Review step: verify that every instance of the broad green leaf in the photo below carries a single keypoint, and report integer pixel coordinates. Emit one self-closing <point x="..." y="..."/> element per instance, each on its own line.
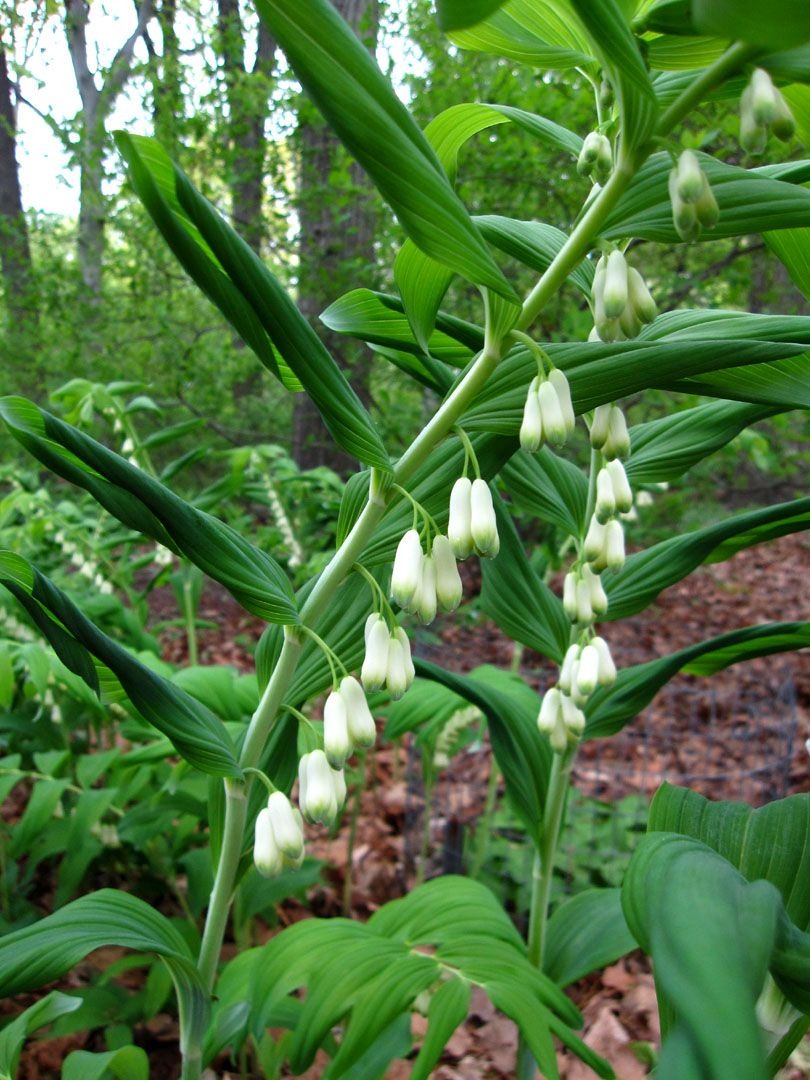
<point x="534" y="32"/>
<point x="675" y="53"/>
<point x="617" y="49"/>
<point x="647" y="573"/>
<point x="125" y="1063"/>
<point x="777" y="25"/>
<point x="160" y="183"/>
<point x="792" y="248"/>
<point x="36" y="1016"/>
<point x="141" y="503"/>
<point x="669" y="17"/>
<point x="666" y="448"/>
<point x="585" y="933"/>
<point x="195" y="732"/>
<point x="510" y="707"/>
<point x="448" y="1008"/>
<point x="45" y="951"/>
<point x="609" y="710"/>
<point x="532" y="243"/>
<point x="516" y="598"/>
<point x="348" y="88"/>
<point x="550" y="487"/>
<point x="711" y="935"/>
<point x="749" y="200"/>
<point x="458" y="14"/>
<point x="422" y="283"/>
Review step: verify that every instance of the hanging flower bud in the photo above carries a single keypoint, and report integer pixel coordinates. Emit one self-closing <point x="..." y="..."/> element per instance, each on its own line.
<point x="339" y="784"/>
<point x="336" y="743"/>
<point x="753" y="136"/>
<point x="617" y="444"/>
<point x="370" y="621"/>
<point x="607" y="669"/>
<point x="598" y="291"/>
<point x="559" y="381"/>
<point x="266" y="854"/>
<point x="763" y="97"/>
<point x="558" y="738"/>
<point x="425" y="596"/>
<point x="410" y="671"/>
<point x="449" y="589"/>
<point x="459" y="524"/>
<point x="690" y="177"/>
<point x="615" y="291"/>
<point x="550" y="711"/>
<point x="316" y="788"/>
<point x="288" y="828"/>
<point x="573" y="718"/>
<point x="706" y="207"/>
<point x="605" y="499"/>
<point x="361" y="727"/>
<point x="588" y="670"/>
<point x="783" y="124"/>
<point x="484" y="527"/>
<point x="375" y="663"/>
<point x="599" y="600"/>
<point x="684" y="214"/>
<point x="407" y="567"/>
<point x="604" y="159"/>
<point x="531" y="428"/>
<point x="640" y="297"/>
<point x="570" y="595"/>
<point x="396" y="681"/>
<point x="594" y="543"/>
<point x="584" y="609"/>
<point x="622" y="493"/>
<point x="589" y="154"/>
<point x="554" y="426"/>
<point x="630" y="325"/>
<point x="614" y="545"/>
<point x="599" y="426"/>
<point x="567" y="668"/>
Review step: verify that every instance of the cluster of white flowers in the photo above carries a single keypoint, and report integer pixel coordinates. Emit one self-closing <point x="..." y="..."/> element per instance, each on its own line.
<point x="13" y="628"/>
<point x="347" y="722"/>
<point x="548" y="415"/>
<point x="694" y="206"/>
<point x="388" y="658"/>
<point x="279" y="837"/>
<point x="471" y="526"/>
<point x="620" y="299"/>
<point x="85" y="565"/>
<point x="596" y="157"/>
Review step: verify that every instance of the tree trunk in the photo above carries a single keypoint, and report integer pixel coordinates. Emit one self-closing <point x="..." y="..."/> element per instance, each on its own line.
<point x="167" y="71"/>
<point x="336" y="247"/>
<point x="15" y="251"/>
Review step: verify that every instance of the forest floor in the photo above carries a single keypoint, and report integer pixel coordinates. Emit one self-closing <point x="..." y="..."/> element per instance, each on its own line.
<point x="741" y="734"/>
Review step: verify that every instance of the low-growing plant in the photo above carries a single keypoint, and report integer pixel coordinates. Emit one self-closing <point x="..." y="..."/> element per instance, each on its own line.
<point x="716" y="893"/>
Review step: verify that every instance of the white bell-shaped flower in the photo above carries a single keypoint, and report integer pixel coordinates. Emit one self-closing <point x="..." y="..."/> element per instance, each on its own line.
<point x="614" y="545"/>
<point x="448" y="580"/>
<point x="599" y="599"/>
<point x="375" y="662"/>
<point x="570" y="595"/>
<point x="316" y="788"/>
<point x="607" y="668"/>
<point x="424" y="601"/>
<point x="599" y="426"/>
<point x="336" y="742"/>
<point x="267" y="856"/>
<point x="559" y="381"/>
<point x="617" y="444"/>
<point x="588" y="670"/>
<point x="288" y="828"/>
<point x="484" y="526"/>
<point x="573" y="717"/>
<point x="531" y="428"/>
<point x="622" y="492"/>
<point x="567" y="668"/>
<point x="410" y="671"/>
<point x="407" y="568"/>
<point x="594" y="544"/>
<point x="459" y="522"/>
<point x="605" y="506"/>
<point x="397" y="678"/>
<point x="584" y="608"/>
<point x="555" y="429"/>
<point x="550" y="711"/>
<point x="362" y="729"/>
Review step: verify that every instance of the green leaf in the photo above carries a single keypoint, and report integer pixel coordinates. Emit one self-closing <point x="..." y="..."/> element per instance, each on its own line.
<point x="792" y="248"/>
<point x="422" y="283"/>
<point x="159" y="183"/>
<point x="750" y="200"/>
<point x="781" y="24"/>
<point x="141" y="503"/>
<point x="609" y="710"/>
<point x="550" y="487"/>
<point x="458" y="14"/>
<point x="585" y="933"/>
<point x="126" y="1063"/>
<point x="534" y="244"/>
<point x="36" y="1016"/>
<point x="195" y="733"/>
<point x="534" y="32"/>
<point x="517" y="599"/>
<point x="45" y="951"/>
<point x="448" y="1008"/>
<point x="347" y="87"/>
<point x="647" y="573"/>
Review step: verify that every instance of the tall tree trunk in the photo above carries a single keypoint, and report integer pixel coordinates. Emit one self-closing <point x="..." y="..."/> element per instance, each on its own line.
<point x="168" y="105"/>
<point x="336" y="246"/>
<point x="15" y="250"/>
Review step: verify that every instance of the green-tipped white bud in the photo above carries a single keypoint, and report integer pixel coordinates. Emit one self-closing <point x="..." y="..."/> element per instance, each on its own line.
<point x="336" y="742"/>
<point x="531" y="428"/>
<point x="604" y="158"/>
<point x="570" y="595"/>
<point x="629" y="323"/>
<point x="598" y="291"/>
<point x="459" y="524"/>
<point x="554" y="426"/>
<point x="599" y="600"/>
<point x="605" y="499"/>
<point x="362" y="729"/>
<point x="615" y="291"/>
<point x="690" y="177"/>
<point x="599" y="426"/>
<point x="550" y="711"/>
<point x="617" y="444"/>
<point x="753" y="136"/>
<point x="559" y="381"/>
<point x="573" y="718"/>
<point x="584" y="609"/>
<point x="589" y="154"/>
<point x="588" y="670"/>
<point x="288" y="828"/>
<point x="558" y="738"/>
<point x="375" y="662"/>
<point x="594" y="543"/>
<point x="316" y="788"/>
<point x="484" y="527"/>
<point x="763" y="97"/>
<point x="783" y="124"/>
<point x="410" y="671"/>
<point x="397" y="679"/>
<point x="610" y="330"/>
<point x="706" y="207"/>
<point x="448" y="581"/>
<point x="425" y="602"/>
<point x="614" y="545"/>
<point x="567" y="668"/>
<point x="607" y="669"/>
<point x="684" y="214"/>
<point x="267" y="856"/>
<point x="407" y="568"/>
<point x="622" y="492"/>
<point x="640" y="298"/>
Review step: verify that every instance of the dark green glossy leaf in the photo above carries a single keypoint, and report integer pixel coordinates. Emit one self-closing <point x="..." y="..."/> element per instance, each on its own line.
<point x="532" y="243"/>
<point x="586" y="932"/>
<point x="36" y="1016"/>
<point x="780" y="24"/>
<point x="550" y="487"/>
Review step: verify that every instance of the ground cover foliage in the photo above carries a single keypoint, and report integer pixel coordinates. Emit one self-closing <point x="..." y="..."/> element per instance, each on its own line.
<point x="163" y="806"/>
